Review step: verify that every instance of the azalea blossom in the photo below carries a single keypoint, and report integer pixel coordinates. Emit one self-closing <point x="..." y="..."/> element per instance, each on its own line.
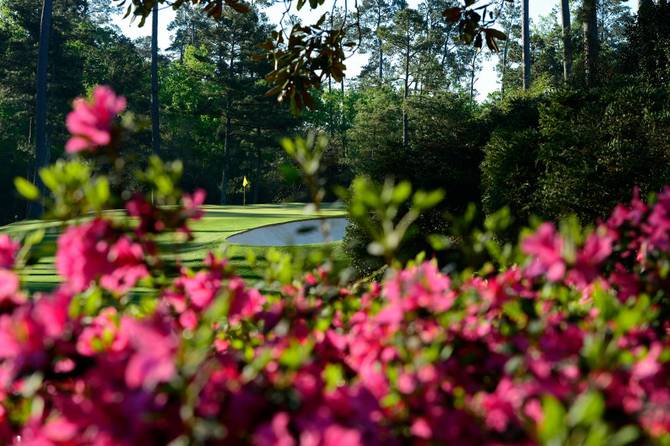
<point x="103" y="335"/>
<point x="9" y="287"/>
<point x="8" y="250"/>
<point x="92" y="251"/>
<point x="545" y="248"/>
<point x="90" y="123"/>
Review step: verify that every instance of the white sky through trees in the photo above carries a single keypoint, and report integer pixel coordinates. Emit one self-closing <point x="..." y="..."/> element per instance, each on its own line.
<point x="487" y="81"/>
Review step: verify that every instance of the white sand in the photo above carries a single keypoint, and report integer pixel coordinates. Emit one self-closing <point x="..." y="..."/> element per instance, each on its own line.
<point x="306" y="232"/>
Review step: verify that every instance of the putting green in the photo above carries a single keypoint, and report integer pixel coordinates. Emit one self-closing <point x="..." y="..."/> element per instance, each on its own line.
<point x="209" y="234"/>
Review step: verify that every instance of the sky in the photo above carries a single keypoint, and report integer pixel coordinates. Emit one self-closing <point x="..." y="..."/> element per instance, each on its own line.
<point x="486" y="83"/>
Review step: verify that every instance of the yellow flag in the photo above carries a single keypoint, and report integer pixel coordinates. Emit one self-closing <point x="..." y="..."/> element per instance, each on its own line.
<point x="245" y="182"/>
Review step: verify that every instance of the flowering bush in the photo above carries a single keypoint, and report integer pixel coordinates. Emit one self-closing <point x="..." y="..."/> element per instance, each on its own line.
<point x="571" y="345"/>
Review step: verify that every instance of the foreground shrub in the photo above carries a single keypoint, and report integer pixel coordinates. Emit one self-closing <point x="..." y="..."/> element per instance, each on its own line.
<point x="570" y="345"/>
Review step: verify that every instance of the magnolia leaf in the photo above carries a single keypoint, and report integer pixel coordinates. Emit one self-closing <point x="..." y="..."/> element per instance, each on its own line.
<point x="452" y="14"/>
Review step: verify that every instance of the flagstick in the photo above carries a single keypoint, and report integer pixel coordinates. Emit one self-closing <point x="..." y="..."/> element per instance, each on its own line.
<point x="245" y="196"/>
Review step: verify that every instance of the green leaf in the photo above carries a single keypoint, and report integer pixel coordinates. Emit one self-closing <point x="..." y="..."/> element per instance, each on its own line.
<point x="333" y="375"/>
<point x="402" y="192"/>
<point x="295" y="356"/>
<point x="102" y="190"/>
<point x="587" y="409"/>
<point x="34" y="238"/>
<point x="98" y="193"/>
<point x="426" y="200"/>
<point x="439" y="242"/>
<point x="626" y="435"/>
<point x="553" y="429"/>
<point x="49" y="178"/>
<point x="26" y="189"/>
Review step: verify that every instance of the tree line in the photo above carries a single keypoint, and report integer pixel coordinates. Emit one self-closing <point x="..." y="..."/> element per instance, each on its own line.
<point x="206" y="98"/>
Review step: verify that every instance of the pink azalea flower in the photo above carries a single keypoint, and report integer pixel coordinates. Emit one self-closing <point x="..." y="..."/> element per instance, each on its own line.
<point x="419" y="287"/>
<point x="632" y="214"/>
<point x="595" y="251"/>
<point x="90" y="252"/>
<point x="148" y="368"/>
<point x="9" y="287"/>
<point x="90" y="123"/>
<point x="406" y="383"/>
<point x="148" y="215"/>
<point x="628" y="284"/>
<point x="545" y="248"/>
<point x="335" y="435"/>
<point x="202" y="288"/>
<point x="193" y="204"/>
<point x="153" y="360"/>
<point x="10" y="347"/>
<point x="103" y="335"/>
<point x="650" y="365"/>
<point x="243" y="303"/>
<point x="82" y="253"/>
<point x="275" y="433"/>
<point x="8" y="250"/>
<point x="421" y="429"/>
<point x="128" y="267"/>
<point x="52" y="432"/>
<point x="533" y="410"/>
<point x="188" y="319"/>
<point x="22" y="340"/>
<point x="51" y="312"/>
<point x="497" y="412"/>
<point x="557" y="344"/>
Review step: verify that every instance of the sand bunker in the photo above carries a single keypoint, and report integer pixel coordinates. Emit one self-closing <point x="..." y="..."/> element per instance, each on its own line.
<point x="305" y="232"/>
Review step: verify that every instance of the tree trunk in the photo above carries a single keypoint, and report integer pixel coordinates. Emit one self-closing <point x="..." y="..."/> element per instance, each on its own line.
<point x="473" y="72"/>
<point x="405" y="117"/>
<point x="503" y="78"/>
<point x="223" y="186"/>
<point x="567" y="40"/>
<point x="445" y="51"/>
<point x="343" y="131"/>
<point x="155" y="116"/>
<point x="379" y="45"/>
<point x="591" y="43"/>
<point x="257" y="174"/>
<point x="229" y="125"/>
<point x="525" y="38"/>
<point x="226" y="152"/>
<point x="331" y="112"/>
<point x="41" y="146"/>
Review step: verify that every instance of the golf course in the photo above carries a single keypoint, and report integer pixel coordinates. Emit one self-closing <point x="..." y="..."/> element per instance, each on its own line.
<point x="211" y="233"/>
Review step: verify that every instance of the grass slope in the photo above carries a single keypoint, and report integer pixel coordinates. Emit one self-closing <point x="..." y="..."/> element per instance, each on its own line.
<point x="210" y="233"/>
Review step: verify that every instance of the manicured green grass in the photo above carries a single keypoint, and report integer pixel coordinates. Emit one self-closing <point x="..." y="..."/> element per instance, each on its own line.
<point x="209" y="234"/>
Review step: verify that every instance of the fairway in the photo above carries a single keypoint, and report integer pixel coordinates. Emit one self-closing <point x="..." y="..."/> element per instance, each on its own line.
<point x="209" y="234"/>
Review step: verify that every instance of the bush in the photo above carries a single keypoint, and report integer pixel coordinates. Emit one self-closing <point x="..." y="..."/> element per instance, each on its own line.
<point x="567" y="340"/>
<point x="444" y="152"/>
<point x="511" y="169"/>
<point x="596" y="148"/>
<point x="585" y="153"/>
